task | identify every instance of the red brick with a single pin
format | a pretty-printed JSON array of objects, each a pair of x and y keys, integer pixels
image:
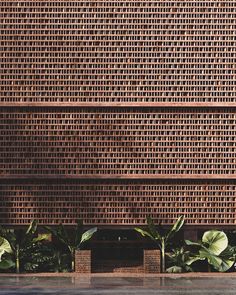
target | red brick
[
  {"x": 152, "y": 261},
  {"x": 83, "y": 261}
]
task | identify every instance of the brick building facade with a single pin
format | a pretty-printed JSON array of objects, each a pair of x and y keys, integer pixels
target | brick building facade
[{"x": 114, "y": 110}]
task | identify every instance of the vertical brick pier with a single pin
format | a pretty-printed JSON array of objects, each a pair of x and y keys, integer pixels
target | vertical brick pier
[
  {"x": 83, "y": 261},
  {"x": 152, "y": 261}
]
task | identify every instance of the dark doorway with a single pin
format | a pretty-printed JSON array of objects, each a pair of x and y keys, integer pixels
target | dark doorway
[{"x": 117, "y": 251}]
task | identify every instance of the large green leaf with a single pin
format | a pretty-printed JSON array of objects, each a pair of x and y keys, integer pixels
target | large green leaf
[
  {"x": 228, "y": 258},
  {"x": 152, "y": 229},
  {"x": 229, "y": 252},
  {"x": 214, "y": 260},
  {"x": 175, "y": 228},
  {"x": 215, "y": 249},
  {"x": 215, "y": 241},
  {"x": 193, "y": 259},
  {"x": 59, "y": 233},
  {"x": 88, "y": 235},
  {"x": 40, "y": 238},
  {"x": 1, "y": 253},
  {"x": 144, "y": 233},
  {"x": 32, "y": 228},
  {"x": 51, "y": 230},
  {"x": 9, "y": 235},
  {"x": 220, "y": 263},
  {"x": 6, "y": 264},
  {"x": 226, "y": 264},
  {"x": 190, "y": 243},
  {"x": 5, "y": 247}
]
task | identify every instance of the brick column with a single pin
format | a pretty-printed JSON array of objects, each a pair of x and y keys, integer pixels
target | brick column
[
  {"x": 152, "y": 261},
  {"x": 83, "y": 261}
]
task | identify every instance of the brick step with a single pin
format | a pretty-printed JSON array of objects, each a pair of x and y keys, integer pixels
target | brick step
[{"x": 117, "y": 266}]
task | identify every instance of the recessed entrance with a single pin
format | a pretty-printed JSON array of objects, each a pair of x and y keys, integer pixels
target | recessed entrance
[{"x": 118, "y": 251}]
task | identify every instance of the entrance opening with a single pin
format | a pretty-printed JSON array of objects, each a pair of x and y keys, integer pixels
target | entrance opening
[{"x": 117, "y": 251}]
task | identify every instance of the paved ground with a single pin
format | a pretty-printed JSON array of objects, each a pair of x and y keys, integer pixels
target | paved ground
[{"x": 117, "y": 285}]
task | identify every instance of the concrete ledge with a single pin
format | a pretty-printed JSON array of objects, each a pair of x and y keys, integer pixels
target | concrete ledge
[{"x": 160, "y": 275}]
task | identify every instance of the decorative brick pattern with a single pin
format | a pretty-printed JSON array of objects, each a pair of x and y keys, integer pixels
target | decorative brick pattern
[
  {"x": 152, "y": 261},
  {"x": 117, "y": 202},
  {"x": 114, "y": 51},
  {"x": 114, "y": 142},
  {"x": 83, "y": 261},
  {"x": 99, "y": 89}
]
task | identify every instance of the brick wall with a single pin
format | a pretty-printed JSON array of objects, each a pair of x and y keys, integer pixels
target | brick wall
[
  {"x": 83, "y": 261},
  {"x": 152, "y": 261}
]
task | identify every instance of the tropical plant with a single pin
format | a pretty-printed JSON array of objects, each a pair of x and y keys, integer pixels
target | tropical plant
[
  {"x": 178, "y": 259},
  {"x": 214, "y": 249},
  {"x": 22, "y": 243},
  {"x": 162, "y": 240},
  {"x": 72, "y": 241},
  {"x": 5, "y": 250},
  {"x": 61, "y": 262},
  {"x": 40, "y": 258}
]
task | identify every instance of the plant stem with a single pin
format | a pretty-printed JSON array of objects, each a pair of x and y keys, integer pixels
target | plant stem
[
  {"x": 59, "y": 261},
  {"x": 17, "y": 259},
  {"x": 73, "y": 260},
  {"x": 209, "y": 268},
  {"x": 163, "y": 266}
]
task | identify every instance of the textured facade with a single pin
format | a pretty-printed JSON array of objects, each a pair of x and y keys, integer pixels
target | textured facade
[{"x": 114, "y": 110}]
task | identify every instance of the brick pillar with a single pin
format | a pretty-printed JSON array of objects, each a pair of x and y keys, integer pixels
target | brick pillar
[
  {"x": 83, "y": 261},
  {"x": 152, "y": 261}
]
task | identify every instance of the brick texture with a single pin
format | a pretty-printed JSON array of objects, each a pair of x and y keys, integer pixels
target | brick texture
[
  {"x": 152, "y": 261},
  {"x": 190, "y": 234},
  {"x": 83, "y": 261},
  {"x": 111, "y": 110}
]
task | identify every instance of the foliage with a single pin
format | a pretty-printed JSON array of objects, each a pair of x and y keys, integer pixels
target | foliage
[
  {"x": 5, "y": 250},
  {"x": 23, "y": 245},
  {"x": 5, "y": 247},
  {"x": 73, "y": 241},
  {"x": 59, "y": 258},
  {"x": 61, "y": 262},
  {"x": 162, "y": 240},
  {"x": 39, "y": 259},
  {"x": 45, "y": 258},
  {"x": 215, "y": 249},
  {"x": 179, "y": 258}
]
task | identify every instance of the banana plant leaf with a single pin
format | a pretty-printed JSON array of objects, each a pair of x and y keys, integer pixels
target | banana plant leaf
[
  {"x": 6, "y": 264},
  {"x": 214, "y": 248},
  {"x": 219, "y": 263},
  {"x": 5, "y": 247},
  {"x": 87, "y": 235},
  {"x": 32, "y": 228},
  {"x": 144, "y": 233},
  {"x": 152, "y": 229},
  {"x": 215, "y": 240},
  {"x": 40, "y": 238},
  {"x": 175, "y": 228}
]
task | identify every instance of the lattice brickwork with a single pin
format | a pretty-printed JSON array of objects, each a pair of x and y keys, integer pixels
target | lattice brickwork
[
  {"x": 114, "y": 142},
  {"x": 107, "y": 90},
  {"x": 123, "y": 202},
  {"x": 118, "y": 51}
]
